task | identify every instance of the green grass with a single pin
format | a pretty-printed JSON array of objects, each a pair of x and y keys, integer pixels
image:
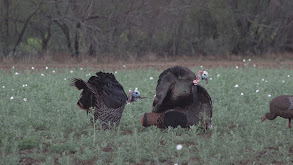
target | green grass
[{"x": 48, "y": 128}]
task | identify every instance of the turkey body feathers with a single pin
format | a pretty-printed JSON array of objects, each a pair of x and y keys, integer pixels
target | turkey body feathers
[
  {"x": 281, "y": 106},
  {"x": 103, "y": 93},
  {"x": 176, "y": 91},
  {"x": 173, "y": 89}
]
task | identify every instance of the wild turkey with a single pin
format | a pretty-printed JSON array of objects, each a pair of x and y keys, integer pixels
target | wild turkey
[
  {"x": 178, "y": 90},
  {"x": 105, "y": 95},
  {"x": 281, "y": 106},
  {"x": 134, "y": 95},
  {"x": 174, "y": 88}
]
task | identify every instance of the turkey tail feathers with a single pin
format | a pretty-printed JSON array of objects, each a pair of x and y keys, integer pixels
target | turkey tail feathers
[{"x": 78, "y": 83}]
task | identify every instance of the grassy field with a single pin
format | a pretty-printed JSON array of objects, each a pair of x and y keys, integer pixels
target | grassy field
[{"x": 41, "y": 124}]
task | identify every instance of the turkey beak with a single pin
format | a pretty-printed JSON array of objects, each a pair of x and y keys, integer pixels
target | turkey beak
[
  {"x": 209, "y": 126},
  {"x": 263, "y": 118}
]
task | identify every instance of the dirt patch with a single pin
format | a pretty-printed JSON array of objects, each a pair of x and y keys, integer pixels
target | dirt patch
[
  {"x": 29, "y": 161},
  {"x": 107, "y": 149},
  {"x": 86, "y": 162},
  {"x": 127, "y": 132}
]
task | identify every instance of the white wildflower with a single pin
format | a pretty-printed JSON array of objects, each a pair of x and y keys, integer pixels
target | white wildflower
[
  {"x": 288, "y": 75},
  {"x": 42, "y": 75},
  {"x": 24, "y": 99},
  {"x": 236, "y": 86},
  {"x": 218, "y": 75},
  {"x": 65, "y": 78},
  {"x": 33, "y": 68},
  {"x": 16, "y": 73},
  {"x": 12, "y": 67},
  {"x": 179, "y": 147},
  {"x": 11, "y": 98},
  {"x": 201, "y": 66},
  {"x": 262, "y": 79},
  {"x": 53, "y": 71},
  {"x": 81, "y": 68},
  {"x": 269, "y": 95},
  {"x": 243, "y": 60},
  {"x": 283, "y": 81},
  {"x": 115, "y": 71},
  {"x": 241, "y": 94},
  {"x": 254, "y": 65},
  {"x": 71, "y": 71},
  {"x": 236, "y": 67},
  {"x": 136, "y": 88},
  {"x": 266, "y": 81},
  {"x": 3, "y": 86},
  {"x": 46, "y": 67},
  {"x": 151, "y": 78},
  {"x": 249, "y": 60},
  {"x": 124, "y": 66},
  {"x": 257, "y": 91}
]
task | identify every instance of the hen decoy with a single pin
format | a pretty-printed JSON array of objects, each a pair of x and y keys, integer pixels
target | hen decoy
[
  {"x": 281, "y": 106},
  {"x": 105, "y": 95},
  {"x": 178, "y": 90}
]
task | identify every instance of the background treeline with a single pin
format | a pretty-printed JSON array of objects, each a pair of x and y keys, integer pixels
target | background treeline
[{"x": 138, "y": 27}]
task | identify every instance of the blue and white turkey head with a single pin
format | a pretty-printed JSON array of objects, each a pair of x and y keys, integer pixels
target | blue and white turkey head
[
  {"x": 134, "y": 95},
  {"x": 204, "y": 75}
]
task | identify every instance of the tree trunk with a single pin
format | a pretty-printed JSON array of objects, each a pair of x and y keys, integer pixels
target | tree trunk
[
  {"x": 6, "y": 28},
  {"x": 46, "y": 39},
  {"x": 26, "y": 22},
  {"x": 76, "y": 40}
]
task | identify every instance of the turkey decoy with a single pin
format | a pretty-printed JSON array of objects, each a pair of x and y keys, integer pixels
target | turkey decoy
[
  {"x": 170, "y": 118},
  {"x": 105, "y": 95},
  {"x": 281, "y": 106},
  {"x": 134, "y": 95},
  {"x": 178, "y": 90},
  {"x": 192, "y": 114}
]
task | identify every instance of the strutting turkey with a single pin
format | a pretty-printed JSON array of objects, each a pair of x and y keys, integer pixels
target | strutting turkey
[
  {"x": 105, "y": 95},
  {"x": 280, "y": 106},
  {"x": 178, "y": 90}
]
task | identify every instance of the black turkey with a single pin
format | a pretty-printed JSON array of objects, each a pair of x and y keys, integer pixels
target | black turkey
[
  {"x": 178, "y": 90},
  {"x": 105, "y": 95}
]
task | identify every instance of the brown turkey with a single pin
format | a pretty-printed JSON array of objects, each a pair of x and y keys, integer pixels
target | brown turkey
[
  {"x": 105, "y": 95},
  {"x": 281, "y": 106},
  {"x": 178, "y": 90}
]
